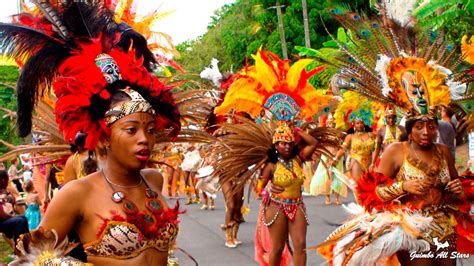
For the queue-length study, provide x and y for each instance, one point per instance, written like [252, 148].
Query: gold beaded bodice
[361, 147]
[437, 173]
[389, 138]
[291, 181]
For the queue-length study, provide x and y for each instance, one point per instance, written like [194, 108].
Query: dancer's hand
[455, 187]
[417, 187]
[276, 189]
[46, 200]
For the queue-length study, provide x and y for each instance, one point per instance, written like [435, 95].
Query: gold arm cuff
[388, 193]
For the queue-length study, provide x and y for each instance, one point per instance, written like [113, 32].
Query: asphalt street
[201, 237]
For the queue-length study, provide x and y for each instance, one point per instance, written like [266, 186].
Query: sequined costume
[361, 151]
[123, 240]
[400, 221]
[324, 184]
[290, 200]
[389, 137]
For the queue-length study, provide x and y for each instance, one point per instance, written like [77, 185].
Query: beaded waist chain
[289, 201]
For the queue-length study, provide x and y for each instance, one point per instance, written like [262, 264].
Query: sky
[188, 21]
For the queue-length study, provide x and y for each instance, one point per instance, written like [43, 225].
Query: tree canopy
[238, 30]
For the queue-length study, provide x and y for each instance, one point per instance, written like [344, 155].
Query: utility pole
[284, 50]
[307, 40]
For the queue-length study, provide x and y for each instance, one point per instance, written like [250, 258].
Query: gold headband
[414, 115]
[137, 104]
[283, 133]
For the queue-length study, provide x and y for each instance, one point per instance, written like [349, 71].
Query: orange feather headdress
[277, 86]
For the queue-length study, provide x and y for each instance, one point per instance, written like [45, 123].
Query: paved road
[202, 238]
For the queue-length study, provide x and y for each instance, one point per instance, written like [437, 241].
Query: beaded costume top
[360, 147]
[120, 239]
[291, 181]
[437, 174]
[389, 137]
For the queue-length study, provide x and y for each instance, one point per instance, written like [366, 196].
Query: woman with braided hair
[100, 72]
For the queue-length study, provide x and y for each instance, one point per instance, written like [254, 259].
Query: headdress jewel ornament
[283, 133]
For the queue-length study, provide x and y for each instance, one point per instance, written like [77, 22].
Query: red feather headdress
[59, 48]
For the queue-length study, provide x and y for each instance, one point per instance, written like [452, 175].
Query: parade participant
[284, 170]
[309, 168]
[208, 182]
[104, 89]
[81, 163]
[285, 92]
[232, 192]
[190, 164]
[360, 145]
[54, 179]
[412, 204]
[324, 181]
[173, 159]
[234, 200]
[389, 133]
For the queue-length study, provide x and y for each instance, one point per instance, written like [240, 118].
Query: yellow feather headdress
[277, 86]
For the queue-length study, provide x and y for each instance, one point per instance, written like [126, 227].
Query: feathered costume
[85, 57]
[283, 89]
[394, 64]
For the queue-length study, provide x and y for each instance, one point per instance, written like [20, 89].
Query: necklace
[416, 154]
[152, 204]
[287, 165]
[122, 186]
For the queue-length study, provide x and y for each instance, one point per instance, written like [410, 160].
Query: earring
[276, 151]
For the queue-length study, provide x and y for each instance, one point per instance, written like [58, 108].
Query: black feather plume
[128, 37]
[52, 16]
[36, 76]
[19, 41]
[85, 20]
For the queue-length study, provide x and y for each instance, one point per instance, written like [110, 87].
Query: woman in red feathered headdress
[100, 73]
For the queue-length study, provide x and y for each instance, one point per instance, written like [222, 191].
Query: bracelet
[387, 193]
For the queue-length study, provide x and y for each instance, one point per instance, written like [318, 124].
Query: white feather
[400, 10]
[381, 68]
[212, 73]
[456, 89]
[393, 239]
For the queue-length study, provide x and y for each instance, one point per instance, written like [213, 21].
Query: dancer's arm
[311, 142]
[342, 150]
[378, 143]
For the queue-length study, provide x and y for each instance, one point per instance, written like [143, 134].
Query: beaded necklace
[288, 165]
[152, 204]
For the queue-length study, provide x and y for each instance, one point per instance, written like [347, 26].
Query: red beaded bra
[125, 237]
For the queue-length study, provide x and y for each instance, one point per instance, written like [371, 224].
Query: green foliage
[454, 17]
[8, 78]
[238, 30]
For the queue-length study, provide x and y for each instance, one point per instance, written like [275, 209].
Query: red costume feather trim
[366, 190]
[161, 219]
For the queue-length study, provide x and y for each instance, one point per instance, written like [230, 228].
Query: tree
[238, 30]
[8, 78]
